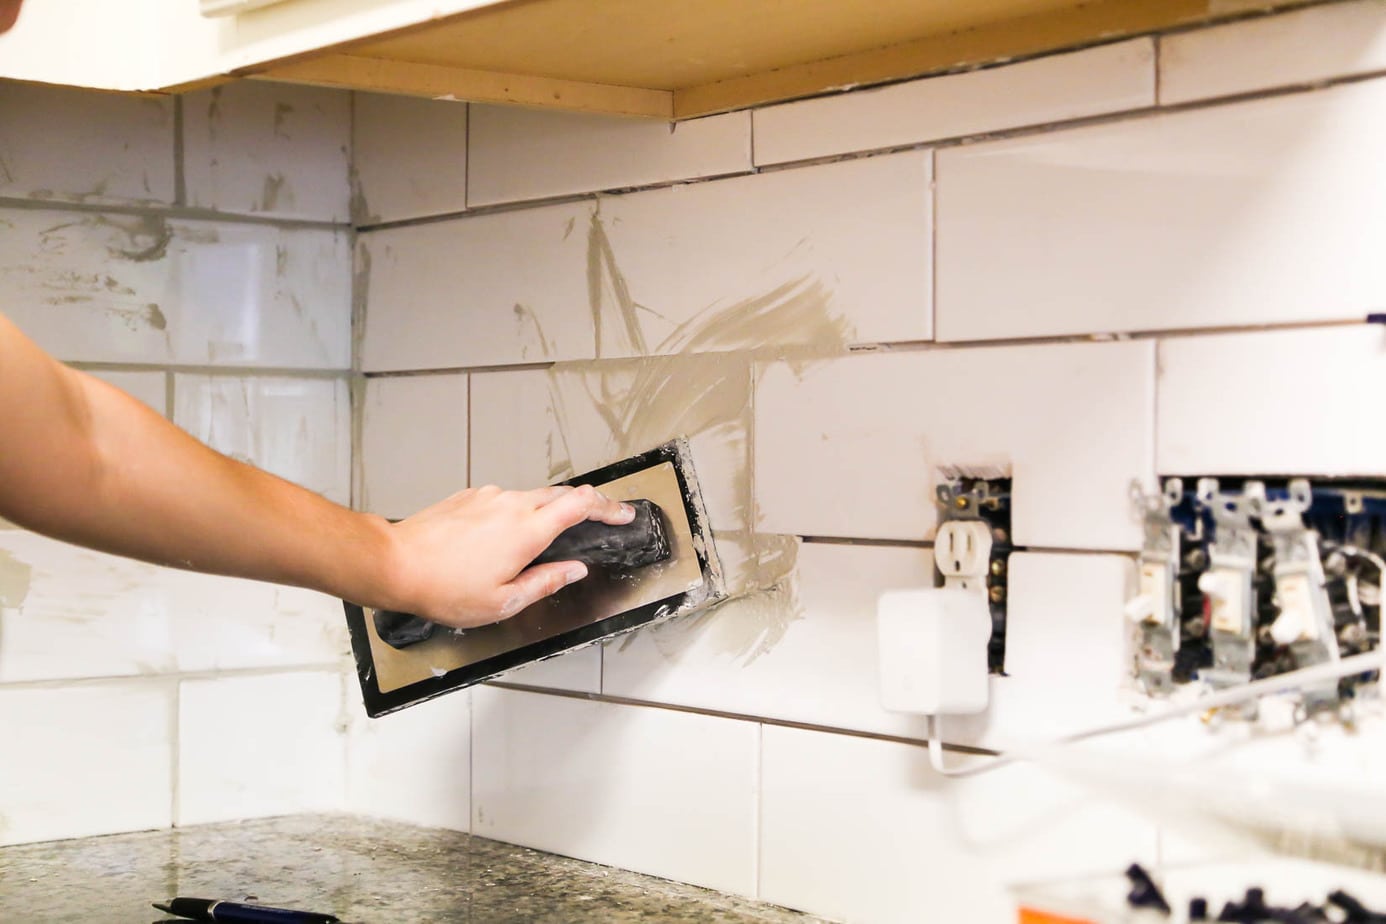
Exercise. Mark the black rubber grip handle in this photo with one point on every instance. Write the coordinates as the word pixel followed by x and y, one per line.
pixel 641 542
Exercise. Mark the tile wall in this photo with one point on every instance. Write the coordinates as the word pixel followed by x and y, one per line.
pixel 1151 256
pixel 195 253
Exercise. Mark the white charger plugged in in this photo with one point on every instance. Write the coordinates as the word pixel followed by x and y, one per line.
pixel 933 650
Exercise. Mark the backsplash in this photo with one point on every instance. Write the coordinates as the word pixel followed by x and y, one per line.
pixel 1085 270
pixel 1144 258
pixel 135 243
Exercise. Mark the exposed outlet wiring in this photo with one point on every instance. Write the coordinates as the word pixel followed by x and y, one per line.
pixel 1352 551
pixel 1288 682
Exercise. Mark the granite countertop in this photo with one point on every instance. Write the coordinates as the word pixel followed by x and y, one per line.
pixel 364 871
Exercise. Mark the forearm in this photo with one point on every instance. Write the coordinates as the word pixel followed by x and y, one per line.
pixel 83 462
pixel 197 509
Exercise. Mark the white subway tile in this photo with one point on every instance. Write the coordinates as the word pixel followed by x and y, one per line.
pixel 519 154
pixel 476 291
pixel 409 157
pixel 665 793
pixel 252 747
pixel 532 427
pixel 296 428
pixel 413 765
pixel 268 149
pixel 87 760
pixel 69 145
pixel 864 830
pixel 1286 402
pixel 68 612
pixel 1303 46
pixel 120 288
pixel 1109 78
pixel 851 447
pixel 816 256
pixel 413 442
pixel 149 387
pixel 224 623
pixel 810 654
pixel 579 670
pixel 1067 657
pixel 1266 211
pixel 518 438
pixel 806 654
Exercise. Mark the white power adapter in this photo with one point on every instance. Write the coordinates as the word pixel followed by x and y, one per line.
pixel 933 641
pixel 933 651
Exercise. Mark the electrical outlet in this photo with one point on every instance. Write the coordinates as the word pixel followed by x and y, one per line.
pixel 972 546
pixel 962 551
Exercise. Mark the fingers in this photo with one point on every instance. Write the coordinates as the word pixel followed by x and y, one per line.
pixel 536 583
pixel 585 503
pixel 542 497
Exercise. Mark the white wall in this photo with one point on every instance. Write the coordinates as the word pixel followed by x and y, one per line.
pixel 217 289
pixel 1081 265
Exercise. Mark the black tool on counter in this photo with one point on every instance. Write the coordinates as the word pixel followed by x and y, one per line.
pixel 1144 892
pixel 627 547
pixel 206 909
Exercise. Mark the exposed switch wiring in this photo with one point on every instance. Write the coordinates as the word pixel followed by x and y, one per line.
pixel 1288 682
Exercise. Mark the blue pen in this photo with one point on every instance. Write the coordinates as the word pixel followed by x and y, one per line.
pixel 204 909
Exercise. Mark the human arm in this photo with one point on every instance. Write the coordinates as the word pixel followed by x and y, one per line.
pixel 85 463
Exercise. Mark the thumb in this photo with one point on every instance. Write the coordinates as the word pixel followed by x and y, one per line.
pixel 535 583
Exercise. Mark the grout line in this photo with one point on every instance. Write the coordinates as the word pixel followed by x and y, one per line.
pixel 915 346
pixel 467 156
pixel 191 369
pixel 928 544
pixel 494 208
pixel 751 132
pixel 175 754
pixel 734 716
pixel 757 811
pixel 881 543
pixel 1000 134
pixel 1158 46
pixel 167 211
pixel 60 683
pixel 346 687
pixel 471 762
pixel 457 370
pixel 1157 358
pixel 1077 553
pixel 180 176
pixel 170 395
pixel 1196 26
pixel 768 354
pixel 467 383
pixel 933 243
pixel 753 513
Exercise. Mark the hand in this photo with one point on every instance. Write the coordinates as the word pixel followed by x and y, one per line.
pixel 462 562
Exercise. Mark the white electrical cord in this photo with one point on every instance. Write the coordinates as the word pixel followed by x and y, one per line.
pixel 1281 683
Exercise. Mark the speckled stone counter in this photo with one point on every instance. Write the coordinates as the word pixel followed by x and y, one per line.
pixel 366 872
